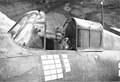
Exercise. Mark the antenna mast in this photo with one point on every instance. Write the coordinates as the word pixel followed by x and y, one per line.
pixel 102 14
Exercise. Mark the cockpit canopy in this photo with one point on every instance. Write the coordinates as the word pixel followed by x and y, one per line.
pixel 84 34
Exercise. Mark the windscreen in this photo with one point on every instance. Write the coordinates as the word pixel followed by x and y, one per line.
pixel 29 30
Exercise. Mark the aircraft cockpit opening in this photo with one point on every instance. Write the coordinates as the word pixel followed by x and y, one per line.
pixel 76 34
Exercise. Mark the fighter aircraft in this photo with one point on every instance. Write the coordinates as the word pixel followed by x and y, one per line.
pixel 92 55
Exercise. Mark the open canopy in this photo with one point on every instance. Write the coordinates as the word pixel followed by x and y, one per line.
pixel 83 33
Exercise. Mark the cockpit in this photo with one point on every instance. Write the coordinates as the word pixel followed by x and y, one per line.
pixel 77 34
